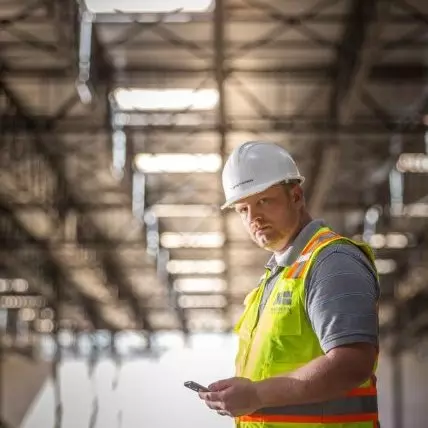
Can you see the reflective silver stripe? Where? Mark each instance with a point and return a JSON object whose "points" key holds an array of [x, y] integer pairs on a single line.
{"points": [[342, 406], [301, 265], [326, 235], [299, 270]]}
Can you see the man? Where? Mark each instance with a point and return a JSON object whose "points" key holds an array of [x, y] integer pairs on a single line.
{"points": [[308, 336]]}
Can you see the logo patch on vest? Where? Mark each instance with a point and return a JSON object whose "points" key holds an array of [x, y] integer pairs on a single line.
{"points": [[282, 301], [283, 298]]}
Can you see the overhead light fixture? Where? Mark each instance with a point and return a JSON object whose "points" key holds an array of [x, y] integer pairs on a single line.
{"points": [[177, 163], [393, 240], [170, 210], [44, 326], [199, 285], [207, 320], [418, 209], [13, 301], [192, 240], [214, 266], [165, 99], [47, 313], [66, 338], [19, 285], [129, 341], [165, 118], [385, 266], [204, 301], [27, 314], [413, 162], [148, 6], [84, 344], [397, 240], [386, 313]]}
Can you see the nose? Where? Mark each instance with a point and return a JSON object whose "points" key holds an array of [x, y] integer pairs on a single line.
{"points": [[254, 215]]}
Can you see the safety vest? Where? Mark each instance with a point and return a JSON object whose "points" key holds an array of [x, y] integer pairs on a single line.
{"points": [[282, 340]]}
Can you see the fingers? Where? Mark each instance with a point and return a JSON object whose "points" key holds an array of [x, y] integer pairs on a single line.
{"points": [[221, 384], [211, 396], [215, 405], [219, 407], [215, 401]]}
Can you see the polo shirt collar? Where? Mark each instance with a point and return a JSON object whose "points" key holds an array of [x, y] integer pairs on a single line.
{"points": [[289, 256]]}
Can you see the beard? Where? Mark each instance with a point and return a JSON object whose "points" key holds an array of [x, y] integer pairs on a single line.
{"points": [[268, 239]]}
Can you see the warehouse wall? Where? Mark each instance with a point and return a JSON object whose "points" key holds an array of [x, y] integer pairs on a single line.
{"points": [[21, 380], [150, 393], [414, 392]]}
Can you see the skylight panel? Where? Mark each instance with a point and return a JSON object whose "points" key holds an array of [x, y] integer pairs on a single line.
{"points": [[148, 6], [165, 99]]}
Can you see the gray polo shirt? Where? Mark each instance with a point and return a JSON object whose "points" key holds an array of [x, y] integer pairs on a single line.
{"points": [[341, 291]]}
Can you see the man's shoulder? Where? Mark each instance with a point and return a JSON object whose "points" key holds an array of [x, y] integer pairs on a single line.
{"points": [[342, 247], [338, 259]]}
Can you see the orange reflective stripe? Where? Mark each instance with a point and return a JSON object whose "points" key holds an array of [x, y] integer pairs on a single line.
{"points": [[359, 405], [364, 417], [299, 268], [362, 392], [297, 272], [314, 241], [314, 238], [290, 272]]}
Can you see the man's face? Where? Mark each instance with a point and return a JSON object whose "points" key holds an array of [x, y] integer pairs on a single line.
{"points": [[272, 217]]}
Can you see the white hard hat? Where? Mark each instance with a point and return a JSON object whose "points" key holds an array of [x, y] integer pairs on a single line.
{"points": [[255, 166]]}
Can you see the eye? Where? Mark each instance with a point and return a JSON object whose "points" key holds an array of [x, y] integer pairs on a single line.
{"points": [[263, 201], [242, 210]]}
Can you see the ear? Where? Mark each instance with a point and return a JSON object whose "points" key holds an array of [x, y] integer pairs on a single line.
{"points": [[297, 195]]}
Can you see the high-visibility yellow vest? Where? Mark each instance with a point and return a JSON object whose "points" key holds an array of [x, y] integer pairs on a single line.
{"points": [[282, 340]]}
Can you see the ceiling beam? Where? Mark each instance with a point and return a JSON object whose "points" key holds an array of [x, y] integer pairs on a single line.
{"points": [[42, 273], [137, 46], [39, 283], [77, 192], [46, 230], [303, 125], [355, 58], [388, 74], [236, 13]]}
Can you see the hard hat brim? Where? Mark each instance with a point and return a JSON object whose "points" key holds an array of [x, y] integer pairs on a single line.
{"points": [[257, 189]]}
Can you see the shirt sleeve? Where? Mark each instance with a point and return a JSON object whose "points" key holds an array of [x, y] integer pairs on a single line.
{"points": [[342, 292]]}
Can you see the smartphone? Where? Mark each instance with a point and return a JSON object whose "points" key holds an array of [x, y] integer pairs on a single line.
{"points": [[195, 386]]}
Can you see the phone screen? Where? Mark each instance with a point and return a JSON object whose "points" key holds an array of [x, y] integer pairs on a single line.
{"points": [[195, 386]]}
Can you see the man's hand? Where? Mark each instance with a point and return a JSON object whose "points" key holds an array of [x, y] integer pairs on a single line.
{"points": [[232, 397]]}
